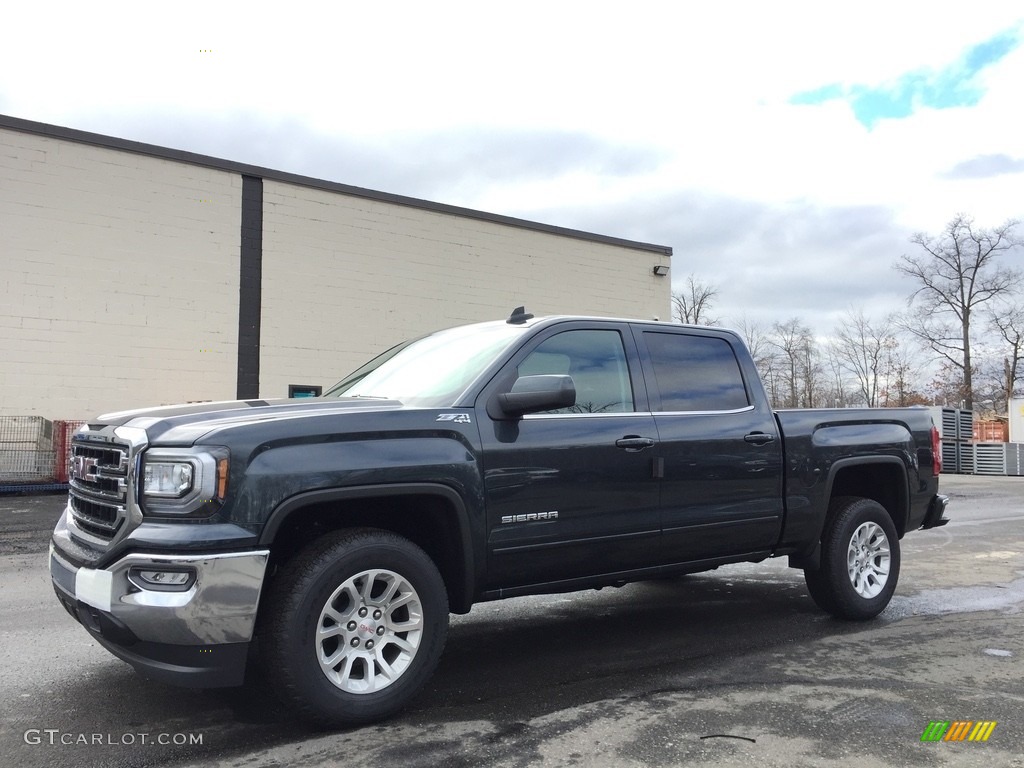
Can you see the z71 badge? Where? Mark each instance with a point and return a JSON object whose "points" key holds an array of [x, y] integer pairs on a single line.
{"points": [[458, 418]]}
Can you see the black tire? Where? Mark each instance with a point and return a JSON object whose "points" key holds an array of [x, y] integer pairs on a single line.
{"points": [[383, 609], [860, 560]]}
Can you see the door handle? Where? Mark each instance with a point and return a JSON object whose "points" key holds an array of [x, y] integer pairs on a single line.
{"points": [[634, 443], [759, 438]]}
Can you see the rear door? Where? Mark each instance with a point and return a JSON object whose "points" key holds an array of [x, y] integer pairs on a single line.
{"points": [[572, 493], [721, 494]]}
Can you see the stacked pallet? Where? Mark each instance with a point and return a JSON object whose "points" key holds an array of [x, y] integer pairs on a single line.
{"points": [[956, 430]]}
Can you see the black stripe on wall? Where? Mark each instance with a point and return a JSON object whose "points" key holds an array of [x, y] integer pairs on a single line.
{"points": [[250, 289]]}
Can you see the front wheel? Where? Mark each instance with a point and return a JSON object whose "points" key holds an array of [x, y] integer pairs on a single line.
{"points": [[860, 560], [354, 626]]}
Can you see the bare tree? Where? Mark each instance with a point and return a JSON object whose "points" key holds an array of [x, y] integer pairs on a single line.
{"points": [[903, 369], [787, 340], [947, 388], [957, 274], [811, 373], [693, 304], [759, 343], [796, 363], [764, 354], [836, 396], [1008, 320], [861, 347]]}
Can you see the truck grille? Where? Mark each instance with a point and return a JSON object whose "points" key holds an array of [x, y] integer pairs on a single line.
{"points": [[98, 478]]}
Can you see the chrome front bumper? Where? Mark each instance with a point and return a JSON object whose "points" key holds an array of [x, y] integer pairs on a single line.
{"points": [[219, 607], [196, 637]]}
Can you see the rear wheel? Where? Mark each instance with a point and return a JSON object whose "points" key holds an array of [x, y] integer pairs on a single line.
{"points": [[860, 560], [354, 626]]}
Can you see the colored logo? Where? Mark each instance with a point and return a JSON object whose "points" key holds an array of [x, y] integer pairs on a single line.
{"points": [[958, 730]]}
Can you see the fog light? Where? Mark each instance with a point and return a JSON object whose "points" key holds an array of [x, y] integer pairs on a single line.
{"points": [[177, 580]]}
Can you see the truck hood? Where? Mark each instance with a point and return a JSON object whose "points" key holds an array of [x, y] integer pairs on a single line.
{"points": [[184, 424]]}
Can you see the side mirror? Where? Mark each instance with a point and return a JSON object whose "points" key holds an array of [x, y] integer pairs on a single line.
{"points": [[531, 394]]}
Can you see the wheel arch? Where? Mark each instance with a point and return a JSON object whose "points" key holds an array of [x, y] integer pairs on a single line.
{"points": [[880, 478], [431, 515]]}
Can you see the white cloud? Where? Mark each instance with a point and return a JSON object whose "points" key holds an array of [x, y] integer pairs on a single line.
{"points": [[406, 96]]}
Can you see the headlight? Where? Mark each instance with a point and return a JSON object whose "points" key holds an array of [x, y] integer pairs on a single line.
{"points": [[183, 481], [170, 479]]}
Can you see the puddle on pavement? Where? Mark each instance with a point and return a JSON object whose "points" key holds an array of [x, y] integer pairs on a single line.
{"points": [[1001, 653], [930, 602]]}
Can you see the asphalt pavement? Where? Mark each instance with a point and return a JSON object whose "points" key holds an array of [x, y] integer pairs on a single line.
{"points": [[733, 667]]}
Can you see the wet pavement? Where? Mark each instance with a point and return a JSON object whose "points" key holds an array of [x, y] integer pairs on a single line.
{"points": [[732, 667]]}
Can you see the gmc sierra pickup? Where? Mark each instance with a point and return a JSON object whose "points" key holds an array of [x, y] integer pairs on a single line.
{"points": [[328, 539]]}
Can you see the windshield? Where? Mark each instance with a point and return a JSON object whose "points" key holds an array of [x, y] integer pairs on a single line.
{"points": [[432, 371]]}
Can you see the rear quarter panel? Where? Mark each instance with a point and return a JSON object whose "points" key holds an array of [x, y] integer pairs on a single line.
{"points": [[820, 443]]}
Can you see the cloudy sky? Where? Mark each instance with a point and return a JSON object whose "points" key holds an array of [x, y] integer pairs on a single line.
{"points": [[785, 150]]}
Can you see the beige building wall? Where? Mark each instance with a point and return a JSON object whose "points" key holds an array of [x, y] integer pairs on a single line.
{"points": [[345, 277], [118, 279], [120, 269]]}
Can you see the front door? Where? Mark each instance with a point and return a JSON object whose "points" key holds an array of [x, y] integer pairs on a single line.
{"points": [[572, 493]]}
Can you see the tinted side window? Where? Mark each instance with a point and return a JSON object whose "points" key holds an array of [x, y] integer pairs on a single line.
{"points": [[597, 363], [696, 373]]}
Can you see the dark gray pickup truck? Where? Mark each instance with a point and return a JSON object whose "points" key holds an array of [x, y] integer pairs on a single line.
{"points": [[328, 539]]}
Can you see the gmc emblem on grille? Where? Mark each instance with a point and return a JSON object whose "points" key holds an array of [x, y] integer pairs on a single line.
{"points": [[83, 468]]}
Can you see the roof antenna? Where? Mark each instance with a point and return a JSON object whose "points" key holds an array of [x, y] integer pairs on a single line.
{"points": [[519, 316]]}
